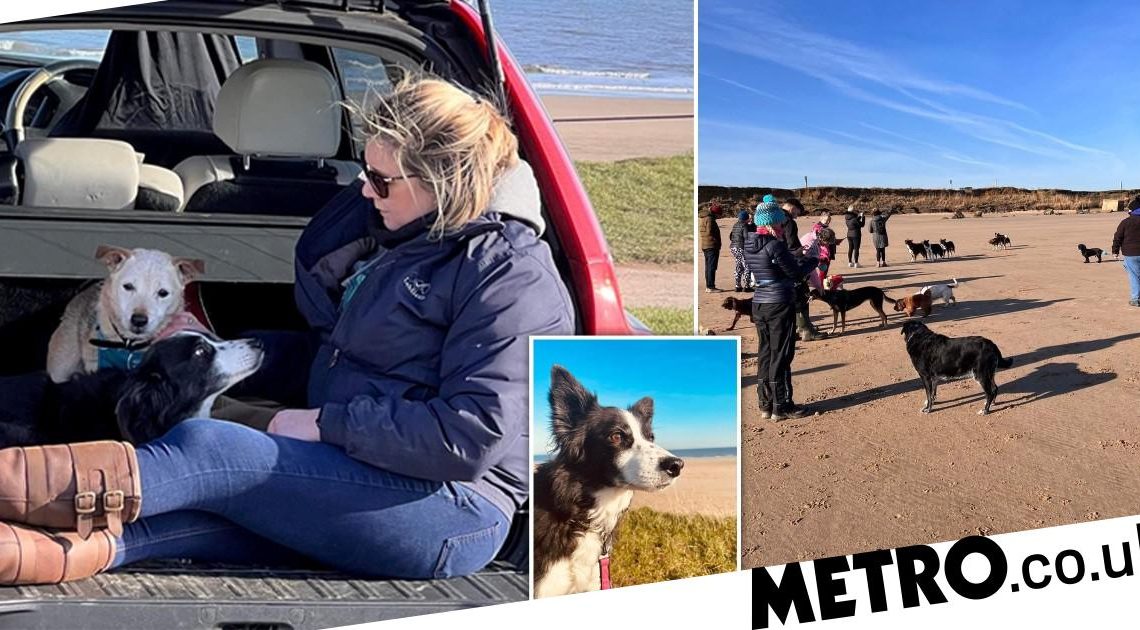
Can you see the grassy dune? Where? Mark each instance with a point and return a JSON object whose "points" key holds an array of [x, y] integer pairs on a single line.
{"points": [[654, 546], [914, 200], [645, 206], [665, 321]]}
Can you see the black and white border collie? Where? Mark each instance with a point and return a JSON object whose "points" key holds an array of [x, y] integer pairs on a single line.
{"points": [[602, 455], [178, 378]]}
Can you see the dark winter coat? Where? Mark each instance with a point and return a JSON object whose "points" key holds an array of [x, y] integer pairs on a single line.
{"points": [[424, 370], [1126, 241], [879, 230], [775, 269], [740, 230]]}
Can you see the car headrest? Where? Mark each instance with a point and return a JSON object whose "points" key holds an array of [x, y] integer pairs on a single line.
{"points": [[279, 108], [79, 173]]}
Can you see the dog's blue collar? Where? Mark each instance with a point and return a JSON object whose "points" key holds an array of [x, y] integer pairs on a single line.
{"points": [[119, 355]]}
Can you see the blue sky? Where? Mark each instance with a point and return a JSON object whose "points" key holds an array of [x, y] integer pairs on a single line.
{"points": [[899, 94], [693, 384]]}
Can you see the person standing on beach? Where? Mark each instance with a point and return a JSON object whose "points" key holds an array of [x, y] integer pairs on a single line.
{"points": [[879, 238], [855, 223], [740, 230], [1126, 242], [710, 245], [792, 208], [777, 273]]}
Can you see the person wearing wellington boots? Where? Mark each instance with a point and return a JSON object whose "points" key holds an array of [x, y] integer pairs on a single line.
{"points": [[407, 456], [774, 310], [805, 330]]}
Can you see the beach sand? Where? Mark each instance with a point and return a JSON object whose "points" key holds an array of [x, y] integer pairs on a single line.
{"points": [[707, 486], [601, 129], [1062, 445]]}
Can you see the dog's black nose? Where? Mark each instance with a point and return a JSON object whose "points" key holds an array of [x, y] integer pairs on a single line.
{"points": [[672, 466], [139, 320], [256, 344]]}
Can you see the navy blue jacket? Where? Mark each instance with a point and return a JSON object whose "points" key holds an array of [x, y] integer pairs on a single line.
{"points": [[775, 269], [424, 371], [740, 229]]}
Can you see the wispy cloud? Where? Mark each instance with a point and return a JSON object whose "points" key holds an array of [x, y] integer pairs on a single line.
{"points": [[875, 77], [742, 154], [746, 88]]}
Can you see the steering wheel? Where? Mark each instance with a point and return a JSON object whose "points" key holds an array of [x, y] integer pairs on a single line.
{"points": [[46, 76]]}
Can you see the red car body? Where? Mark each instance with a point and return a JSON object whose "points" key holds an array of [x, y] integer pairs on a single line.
{"points": [[568, 207]]}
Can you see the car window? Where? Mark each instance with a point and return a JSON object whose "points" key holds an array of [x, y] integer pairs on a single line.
{"points": [[364, 76], [41, 45], [247, 48]]}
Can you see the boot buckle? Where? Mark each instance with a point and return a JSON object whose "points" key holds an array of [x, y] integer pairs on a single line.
{"points": [[85, 503], [113, 501]]}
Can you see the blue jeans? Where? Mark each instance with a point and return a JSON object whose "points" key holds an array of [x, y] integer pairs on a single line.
{"points": [[217, 491], [1132, 267]]}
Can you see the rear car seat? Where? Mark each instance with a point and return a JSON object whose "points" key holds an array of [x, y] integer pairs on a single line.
{"points": [[282, 118]]}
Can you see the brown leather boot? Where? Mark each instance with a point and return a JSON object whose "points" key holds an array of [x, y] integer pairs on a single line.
{"points": [[77, 487], [37, 556]]}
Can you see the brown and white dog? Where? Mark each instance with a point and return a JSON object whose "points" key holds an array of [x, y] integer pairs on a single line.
{"points": [[912, 303], [944, 292], [140, 301]]}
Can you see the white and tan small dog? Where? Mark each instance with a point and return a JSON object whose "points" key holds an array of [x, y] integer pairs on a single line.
{"points": [[944, 292], [140, 301]]}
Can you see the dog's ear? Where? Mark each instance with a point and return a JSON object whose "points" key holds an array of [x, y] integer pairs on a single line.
{"points": [[643, 411], [190, 269], [146, 406], [570, 402], [111, 256]]}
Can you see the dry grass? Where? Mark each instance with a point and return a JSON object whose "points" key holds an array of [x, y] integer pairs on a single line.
{"points": [[655, 546], [916, 200]]}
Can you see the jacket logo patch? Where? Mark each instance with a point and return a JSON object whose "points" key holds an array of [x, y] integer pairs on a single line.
{"points": [[418, 288]]}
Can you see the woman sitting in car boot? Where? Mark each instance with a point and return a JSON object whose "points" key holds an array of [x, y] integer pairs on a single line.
{"points": [[408, 454]]}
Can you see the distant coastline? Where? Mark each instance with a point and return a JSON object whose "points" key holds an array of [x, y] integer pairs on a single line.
{"points": [[684, 453]]}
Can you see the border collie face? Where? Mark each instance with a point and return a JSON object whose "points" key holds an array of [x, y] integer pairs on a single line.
{"points": [[608, 446], [180, 377]]}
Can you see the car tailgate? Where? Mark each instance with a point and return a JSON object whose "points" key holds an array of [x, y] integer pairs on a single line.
{"points": [[179, 595]]}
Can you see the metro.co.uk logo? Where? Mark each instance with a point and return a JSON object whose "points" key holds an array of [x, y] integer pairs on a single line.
{"points": [[913, 572]]}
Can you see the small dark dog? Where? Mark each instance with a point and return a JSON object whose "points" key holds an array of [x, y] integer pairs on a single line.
{"points": [[1090, 252], [843, 300], [1000, 241], [916, 250], [179, 377], [741, 308], [948, 246], [934, 249], [939, 358]]}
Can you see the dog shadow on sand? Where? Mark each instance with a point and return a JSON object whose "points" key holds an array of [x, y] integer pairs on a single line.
{"points": [[750, 381], [960, 311], [1045, 381], [899, 287]]}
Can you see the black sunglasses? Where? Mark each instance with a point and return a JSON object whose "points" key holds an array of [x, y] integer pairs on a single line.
{"points": [[380, 182]]}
